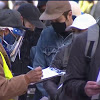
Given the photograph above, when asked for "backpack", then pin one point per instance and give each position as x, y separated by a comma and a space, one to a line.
92, 41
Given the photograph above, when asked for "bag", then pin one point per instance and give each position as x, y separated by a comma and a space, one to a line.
92, 41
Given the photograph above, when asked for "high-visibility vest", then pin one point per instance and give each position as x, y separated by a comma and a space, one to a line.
6, 69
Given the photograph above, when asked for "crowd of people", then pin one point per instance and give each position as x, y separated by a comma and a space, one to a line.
59, 34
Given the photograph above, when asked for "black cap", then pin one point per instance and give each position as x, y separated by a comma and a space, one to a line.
31, 13
10, 18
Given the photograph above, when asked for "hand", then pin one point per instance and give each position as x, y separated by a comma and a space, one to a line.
92, 88
34, 75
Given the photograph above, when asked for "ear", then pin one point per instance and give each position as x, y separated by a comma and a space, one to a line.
69, 16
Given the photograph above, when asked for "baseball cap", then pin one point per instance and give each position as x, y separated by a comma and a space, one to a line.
31, 13
83, 22
55, 9
10, 18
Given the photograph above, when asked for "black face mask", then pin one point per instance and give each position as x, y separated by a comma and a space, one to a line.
59, 27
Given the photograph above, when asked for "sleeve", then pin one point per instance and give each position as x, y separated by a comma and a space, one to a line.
13, 87
39, 59
76, 70
51, 86
57, 61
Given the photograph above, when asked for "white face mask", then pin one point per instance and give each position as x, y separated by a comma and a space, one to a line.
2, 4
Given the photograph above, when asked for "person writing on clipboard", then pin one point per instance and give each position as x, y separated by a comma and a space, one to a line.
10, 86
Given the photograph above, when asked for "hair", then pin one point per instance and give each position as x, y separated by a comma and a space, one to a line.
66, 13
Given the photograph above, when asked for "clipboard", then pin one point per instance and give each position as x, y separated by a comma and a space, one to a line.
50, 72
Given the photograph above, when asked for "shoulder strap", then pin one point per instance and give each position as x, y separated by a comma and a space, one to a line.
92, 41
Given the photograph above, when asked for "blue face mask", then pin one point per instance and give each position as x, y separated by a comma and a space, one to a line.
10, 40
13, 42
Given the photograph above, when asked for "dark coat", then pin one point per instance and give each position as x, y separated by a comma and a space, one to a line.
79, 70
19, 66
59, 61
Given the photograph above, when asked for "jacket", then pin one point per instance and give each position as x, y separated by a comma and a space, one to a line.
13, 87
79, 71
19, 66
47, 46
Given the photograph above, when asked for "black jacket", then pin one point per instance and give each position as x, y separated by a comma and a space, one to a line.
19, 66
79, 70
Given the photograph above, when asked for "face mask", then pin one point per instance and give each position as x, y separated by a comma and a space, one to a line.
13, 42
29, 31
9, 42
9, 38
59, 27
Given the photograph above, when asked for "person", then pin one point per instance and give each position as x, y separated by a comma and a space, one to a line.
29, 1
30, 37
53, 36
16, 4
95, 10
81, 82
75, 12
31, 20
41, 6
60, 61
13, 86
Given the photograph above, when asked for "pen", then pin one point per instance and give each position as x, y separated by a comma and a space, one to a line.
30, 67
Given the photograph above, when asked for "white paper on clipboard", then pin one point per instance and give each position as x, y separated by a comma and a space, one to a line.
51, 72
